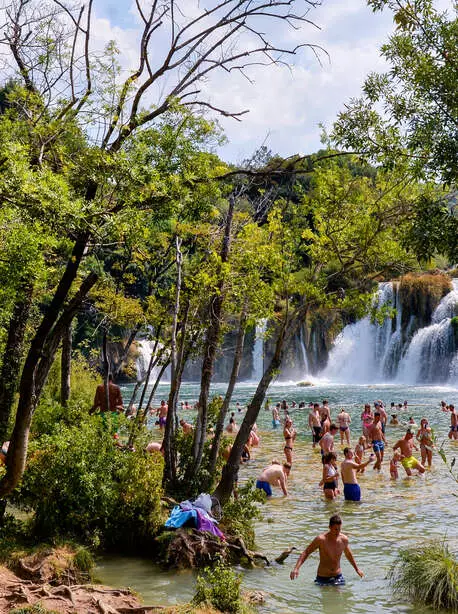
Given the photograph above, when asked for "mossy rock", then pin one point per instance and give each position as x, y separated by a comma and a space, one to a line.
304, 384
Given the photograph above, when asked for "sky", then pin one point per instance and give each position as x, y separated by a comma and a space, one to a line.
285, 105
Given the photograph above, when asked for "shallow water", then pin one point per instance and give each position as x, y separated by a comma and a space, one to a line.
391, 514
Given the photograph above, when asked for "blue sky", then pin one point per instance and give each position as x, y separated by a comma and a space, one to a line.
285, 106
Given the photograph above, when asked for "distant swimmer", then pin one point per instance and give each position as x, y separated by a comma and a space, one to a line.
378, 440
453, 433
274, 475
344, 421
275, 417
331, 546
315, 423
425, 438
408, 461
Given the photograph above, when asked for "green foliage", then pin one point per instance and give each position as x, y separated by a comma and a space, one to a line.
83, 560
32, 609
239, 514
80, 484
220, 587
427, 574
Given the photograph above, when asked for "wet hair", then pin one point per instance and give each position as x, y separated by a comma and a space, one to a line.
329, 457
336, 519
287, 465
325, 402
346, 451
409, 432
367, 406
451, 406
316, 405
333, 427
377, 413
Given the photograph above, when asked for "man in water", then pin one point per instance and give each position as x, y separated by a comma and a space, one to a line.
378, 407
378, 440
274, 475
408, 461
331, 546
327, 441
161, 412
453, 433
315, 423
325, 414
348, 469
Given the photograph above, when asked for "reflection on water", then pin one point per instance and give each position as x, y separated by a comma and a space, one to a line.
391, 514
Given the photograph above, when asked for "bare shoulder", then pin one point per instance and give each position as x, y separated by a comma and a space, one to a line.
344, 539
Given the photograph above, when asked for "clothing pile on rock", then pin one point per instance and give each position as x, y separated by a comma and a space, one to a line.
196, 514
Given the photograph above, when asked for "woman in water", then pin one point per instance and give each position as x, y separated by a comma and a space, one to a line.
289, 433
425, 438
330, 480
367, 419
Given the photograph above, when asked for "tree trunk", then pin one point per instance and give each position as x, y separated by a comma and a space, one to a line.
12, 355
66, 366
211, 345
213, 457
224, 489
30, 385
106, 369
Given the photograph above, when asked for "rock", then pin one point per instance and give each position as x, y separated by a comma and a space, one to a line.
304, 384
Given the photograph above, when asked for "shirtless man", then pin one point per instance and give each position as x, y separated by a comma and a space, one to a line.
378, 407
325, 416
327, 441
187, 428
315, 423
331, 546
162, 413
348, 469
406, 446
378, 440
274, 475
453, 433
344, 421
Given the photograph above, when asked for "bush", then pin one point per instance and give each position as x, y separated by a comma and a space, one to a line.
427, 574
80, 485
220, 587
239, 514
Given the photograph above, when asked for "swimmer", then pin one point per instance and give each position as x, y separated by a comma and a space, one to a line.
378, 440
331, 545
327, 441
394, 463
348, 469
394, 420
187, 428
289, 433
344, 421
360, 448
330, 479
453, 433
425, 438
274, 475
408, 461
315, 423
275, 417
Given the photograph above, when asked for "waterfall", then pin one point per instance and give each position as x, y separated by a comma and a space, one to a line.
258, 351
432, 354
145, 349
366, 352
303, 351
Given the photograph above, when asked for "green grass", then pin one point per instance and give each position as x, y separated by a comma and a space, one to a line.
427, 574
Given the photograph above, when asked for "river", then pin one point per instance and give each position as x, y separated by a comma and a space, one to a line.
391, 514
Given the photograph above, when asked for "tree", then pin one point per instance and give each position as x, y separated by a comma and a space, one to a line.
408, 117
81, 127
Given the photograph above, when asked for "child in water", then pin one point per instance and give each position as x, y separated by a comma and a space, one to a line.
359, 451
394, 463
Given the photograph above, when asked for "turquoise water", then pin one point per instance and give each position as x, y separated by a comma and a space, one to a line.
391, 514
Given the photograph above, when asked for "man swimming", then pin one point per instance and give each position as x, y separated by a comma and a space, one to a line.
331, 546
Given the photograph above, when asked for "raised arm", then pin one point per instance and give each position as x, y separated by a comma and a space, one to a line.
307, 552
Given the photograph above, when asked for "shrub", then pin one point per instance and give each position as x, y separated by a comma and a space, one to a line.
220, 587
427, 574
239, 514
79, 484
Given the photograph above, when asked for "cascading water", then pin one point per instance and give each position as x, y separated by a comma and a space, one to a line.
145, 349
366, 353
363, 351
303, 351
258, 351
432, 354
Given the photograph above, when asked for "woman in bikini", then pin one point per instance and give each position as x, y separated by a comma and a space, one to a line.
425, 438
330, 480
289, 433
367, 419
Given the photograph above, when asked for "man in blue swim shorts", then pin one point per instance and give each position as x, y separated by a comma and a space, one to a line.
274, 475
378, 440
331, 546
348, 469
